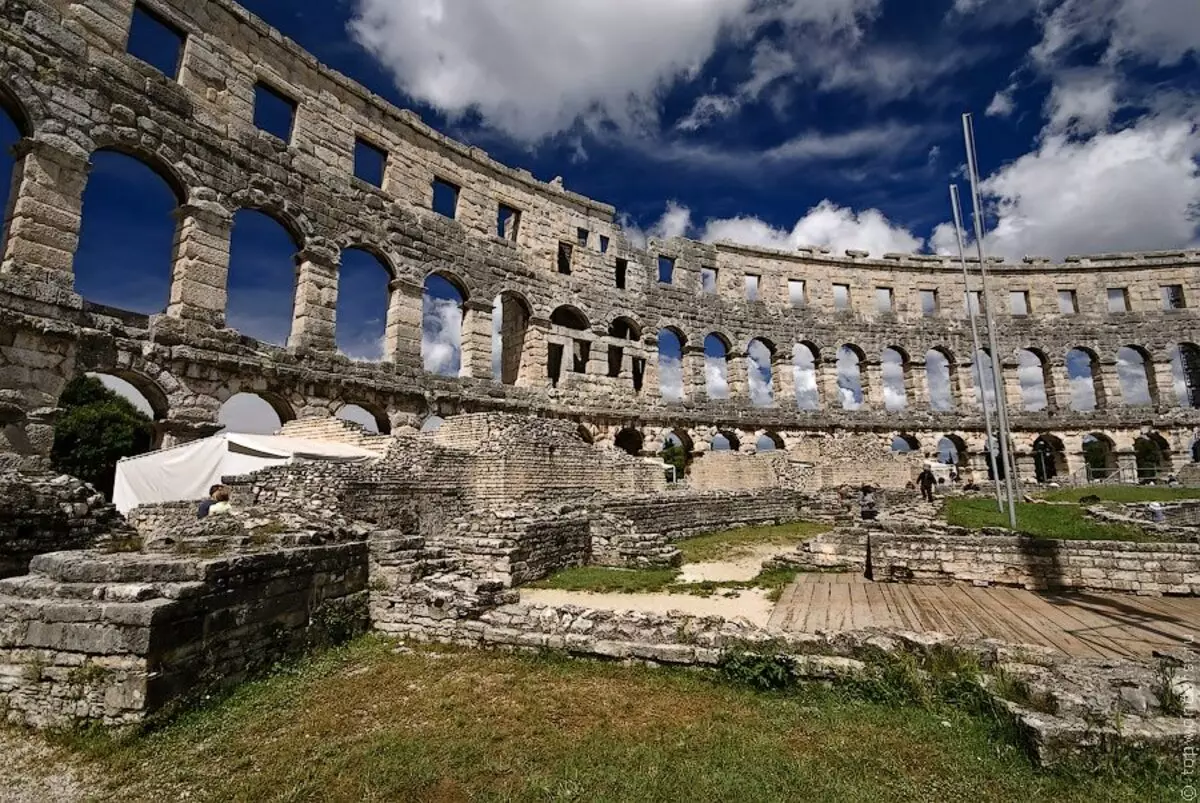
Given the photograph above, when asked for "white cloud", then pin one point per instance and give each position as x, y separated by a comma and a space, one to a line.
1002, 104
938, 381
441, 335
849, 379
537, 67
1081, 103
895, 396
715, 378
758, 369
826, 225
1082, 383
982, 377
497, 338
670, 377
1131, 374
804, 369
1161, 32
1033, 381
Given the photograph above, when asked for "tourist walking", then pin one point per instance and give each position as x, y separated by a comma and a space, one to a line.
926, 481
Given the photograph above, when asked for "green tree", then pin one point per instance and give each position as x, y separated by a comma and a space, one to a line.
96, 429
675, 456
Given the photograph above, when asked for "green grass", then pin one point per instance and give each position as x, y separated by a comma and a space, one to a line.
365, 724
1042, 521
602, 579
1123, 493
733, 543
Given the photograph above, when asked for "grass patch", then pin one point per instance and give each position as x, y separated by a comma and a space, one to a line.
733, 543
363, 723
602, 580
1041, 521
1123, 493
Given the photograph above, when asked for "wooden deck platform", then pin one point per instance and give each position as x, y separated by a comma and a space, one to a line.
1089, 625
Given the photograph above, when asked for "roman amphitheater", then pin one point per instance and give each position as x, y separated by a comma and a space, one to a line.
544, 459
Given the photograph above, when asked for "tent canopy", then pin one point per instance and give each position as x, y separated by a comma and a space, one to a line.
188, 471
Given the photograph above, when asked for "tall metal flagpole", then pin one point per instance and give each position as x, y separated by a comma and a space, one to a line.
956, 205
997, 378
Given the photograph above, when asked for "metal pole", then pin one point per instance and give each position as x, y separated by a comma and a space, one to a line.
1001, 401
956, 205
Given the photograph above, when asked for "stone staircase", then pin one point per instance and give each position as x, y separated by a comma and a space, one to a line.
338, 431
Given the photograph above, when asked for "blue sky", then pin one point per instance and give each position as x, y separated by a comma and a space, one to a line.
772, 122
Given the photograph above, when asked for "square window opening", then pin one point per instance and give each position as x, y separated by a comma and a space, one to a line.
797, 293
1173, 297
603, 244
582, 235
929, 303
274, 112
841, 297
156, 41
666, 269
708, 280
752, 286
1018, 302
508, 222
370, 162
583, 351
565, 252
883, 300
621, 273
1068, 302
1118, 299
445, 198
616, 355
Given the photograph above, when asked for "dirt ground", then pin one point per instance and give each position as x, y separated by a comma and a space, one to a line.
33, 771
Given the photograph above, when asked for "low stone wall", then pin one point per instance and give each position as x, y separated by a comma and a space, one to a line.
162, 517
681, 515
113, 638
46, 512
1002, 559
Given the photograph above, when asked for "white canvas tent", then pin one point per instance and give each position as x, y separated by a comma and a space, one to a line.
188, 471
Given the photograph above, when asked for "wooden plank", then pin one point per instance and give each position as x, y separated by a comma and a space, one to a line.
881, 609
1073, 633
1036, 624
839, 607
783, 607
860, 608
950, 598
994, 619
1186, 629
1095, 629
802, 601
1115, 630
903, 604
816, 616
927, 610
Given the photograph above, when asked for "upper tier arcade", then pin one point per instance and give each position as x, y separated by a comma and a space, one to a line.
799, 341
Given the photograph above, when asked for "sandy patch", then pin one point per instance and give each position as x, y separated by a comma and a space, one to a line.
751, 604
745, 566
34, 772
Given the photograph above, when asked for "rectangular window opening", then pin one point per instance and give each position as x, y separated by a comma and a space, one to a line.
582, 235
583, 350
797, 293
565, 252
508, 223
370, 162
841, 297
616, 355
1118, 299
929, 303
1173, 297
274, 112
883, 300
1068, 302
603, 244
666, 269
445, 198
621, 271
708, 280
554, 363
1018, 302
974, 302
639, 373
156, 41
752, 286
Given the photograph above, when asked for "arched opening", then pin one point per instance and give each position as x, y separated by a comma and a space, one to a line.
939, 380
759, 355
995, 463
894, 372
432, 424
903, 444
952, 450
441, 325
1033, 372
371, 421
716, 366
101, 422
510, 324
1099, 456
142, 392
629, 440
1136, 375
567, 346
984, 379
127, 234
725, 441
13, 128
254, 414
850, 363
1049, 458
805, 358
678, 451
262, 277
1185, 370
362, 305
1083, 370
1153, 456
625, 331
569, 318
670, 364
769, 442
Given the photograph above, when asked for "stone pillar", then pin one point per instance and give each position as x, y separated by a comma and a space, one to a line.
827, 379
870, 376
783, 377
969, 395
314, 322
652, 379
1164, 377
402, 338
1059, 396
1127, 464
736, 365
1107, 383
200, 272
1011, 381
916, 387
533, 365
695, 384
45, 210
477, 341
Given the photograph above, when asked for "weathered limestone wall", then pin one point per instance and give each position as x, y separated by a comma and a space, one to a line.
46, 512
337, 430
735, 471
680, 515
